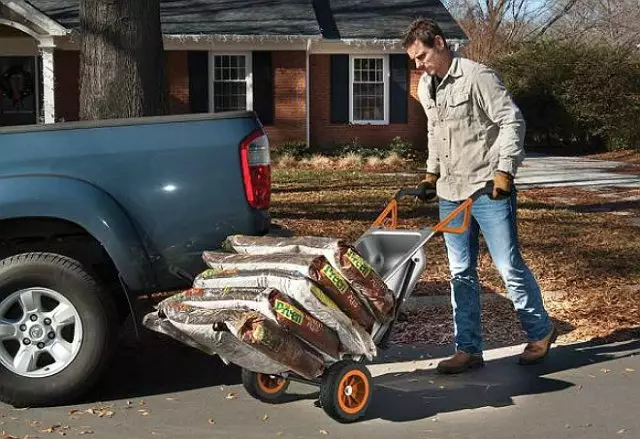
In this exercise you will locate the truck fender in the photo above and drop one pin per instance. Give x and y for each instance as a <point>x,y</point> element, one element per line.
<point>87,206</point>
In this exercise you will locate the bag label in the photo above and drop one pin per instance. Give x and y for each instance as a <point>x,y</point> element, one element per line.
<point>358,261</point>
<point>336,279</point>
<point>289,312</point>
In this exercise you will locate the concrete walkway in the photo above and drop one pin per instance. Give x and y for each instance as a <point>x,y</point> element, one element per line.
<point>551,171</point>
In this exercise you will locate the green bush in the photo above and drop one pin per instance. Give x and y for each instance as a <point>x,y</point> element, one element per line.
<point>576,97</point>
<point>294,149</point>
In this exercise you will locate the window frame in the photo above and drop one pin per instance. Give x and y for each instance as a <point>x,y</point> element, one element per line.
<point>386,78</point>
<point>248,77</point>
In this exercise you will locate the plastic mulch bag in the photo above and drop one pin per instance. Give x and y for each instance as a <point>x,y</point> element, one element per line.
<point>214,341</point>
<point>351,265</point>
<point>239,335</point>
<point>353,338</point>
<point>316,268</point>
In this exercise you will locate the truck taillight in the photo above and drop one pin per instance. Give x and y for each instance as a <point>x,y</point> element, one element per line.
<point>256,169</point>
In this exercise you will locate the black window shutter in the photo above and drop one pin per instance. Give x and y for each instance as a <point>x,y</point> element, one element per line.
<point>199,81</point>
<point>339,88</point>
<point>399,92</point>
<point>263,100</point>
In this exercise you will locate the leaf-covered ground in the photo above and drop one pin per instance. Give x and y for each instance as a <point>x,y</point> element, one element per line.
<point>582,245</point>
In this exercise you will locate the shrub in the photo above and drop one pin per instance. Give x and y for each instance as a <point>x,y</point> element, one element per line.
<point>293,149</point>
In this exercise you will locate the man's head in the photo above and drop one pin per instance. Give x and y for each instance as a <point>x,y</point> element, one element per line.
<point>426,45</point>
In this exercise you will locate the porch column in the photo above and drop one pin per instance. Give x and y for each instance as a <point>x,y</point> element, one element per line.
<point>48,84</point>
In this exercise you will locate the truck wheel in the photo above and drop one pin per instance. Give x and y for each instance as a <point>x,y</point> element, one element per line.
<point>56,329</point>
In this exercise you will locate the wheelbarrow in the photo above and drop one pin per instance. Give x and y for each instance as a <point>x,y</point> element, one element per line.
<point>398,256</point>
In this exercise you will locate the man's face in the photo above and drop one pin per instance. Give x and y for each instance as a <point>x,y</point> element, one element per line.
<point>428,59</point>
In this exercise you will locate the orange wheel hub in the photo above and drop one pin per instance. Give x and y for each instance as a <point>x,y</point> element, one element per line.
<point>270,384</point>
<point>353,392</point>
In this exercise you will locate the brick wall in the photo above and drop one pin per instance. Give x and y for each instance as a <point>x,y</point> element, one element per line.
<point>323,132</point>
<point>177,74</point>
<point>289,69</point>
<point>67,84</point>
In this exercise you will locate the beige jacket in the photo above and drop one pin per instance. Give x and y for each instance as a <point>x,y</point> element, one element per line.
<point>474,128</point>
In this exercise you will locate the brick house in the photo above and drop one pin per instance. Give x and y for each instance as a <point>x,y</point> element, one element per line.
<point>318,71</point>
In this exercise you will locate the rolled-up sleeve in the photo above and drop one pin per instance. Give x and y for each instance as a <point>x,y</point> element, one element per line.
<point>498,105</point>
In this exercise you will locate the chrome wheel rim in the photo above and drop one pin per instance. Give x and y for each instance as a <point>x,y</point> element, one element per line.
<point>40,332</point>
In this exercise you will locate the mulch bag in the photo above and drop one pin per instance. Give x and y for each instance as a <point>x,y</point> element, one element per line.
<point>274,305</point>
<point>351,265</point>
<point>316,268</point>
<point>199,318</point>
<point>205,337</point>
<point>291,316</point>
<point>353,338</point>
<point>267,337</point>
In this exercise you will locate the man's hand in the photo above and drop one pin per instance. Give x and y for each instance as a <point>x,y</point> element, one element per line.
<point>427,188</point>
<point>502,182</point>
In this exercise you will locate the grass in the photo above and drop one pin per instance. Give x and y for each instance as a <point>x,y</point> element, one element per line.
<point>583,251</point>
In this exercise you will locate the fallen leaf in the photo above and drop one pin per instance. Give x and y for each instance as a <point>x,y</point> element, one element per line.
<point>397,374</point>
<point>231,396</point>
<point>580,387</point>
<point>628,369</point>
<point>324,432</point>
<point>90,411</point>
<point>212,422</point>
<point>142,403</point>
<point>172,399</point>
<point>83,432</point>
<point>567,426</point>
<point>264,418</point>
<point>50,429</point>
<point>441,387</point>
<point>435,419</point>
<point>74,411</point>
<point>621,431</point>
<point>431,382</point>
<point>605,370</point>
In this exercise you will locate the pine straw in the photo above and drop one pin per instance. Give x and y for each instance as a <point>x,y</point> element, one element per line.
<point>581,245</point>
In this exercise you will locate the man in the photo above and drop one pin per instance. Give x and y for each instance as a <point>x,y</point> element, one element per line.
<point>475,138</point>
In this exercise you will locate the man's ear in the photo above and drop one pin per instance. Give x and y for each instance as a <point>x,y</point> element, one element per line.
<point>439,43</point>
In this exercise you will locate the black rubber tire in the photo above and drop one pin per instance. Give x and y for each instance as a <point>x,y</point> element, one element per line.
<point>250,383</point>
<point>97,313</point>
<point>329,391</point>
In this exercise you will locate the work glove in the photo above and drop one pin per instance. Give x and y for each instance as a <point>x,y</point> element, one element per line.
<point>427,188</point>
<point>502,182</point>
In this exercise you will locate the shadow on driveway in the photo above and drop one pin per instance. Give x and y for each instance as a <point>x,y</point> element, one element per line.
<point>424,393</point>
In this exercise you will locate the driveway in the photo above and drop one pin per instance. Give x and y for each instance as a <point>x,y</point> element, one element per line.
<point>166,390</point>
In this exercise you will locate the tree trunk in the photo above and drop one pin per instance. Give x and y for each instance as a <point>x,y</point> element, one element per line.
<point>121,59</point>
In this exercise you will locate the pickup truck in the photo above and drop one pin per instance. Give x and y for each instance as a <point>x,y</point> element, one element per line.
<point>93,214</point>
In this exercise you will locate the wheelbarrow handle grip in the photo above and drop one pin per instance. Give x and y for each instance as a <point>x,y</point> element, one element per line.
<point>413,192</point>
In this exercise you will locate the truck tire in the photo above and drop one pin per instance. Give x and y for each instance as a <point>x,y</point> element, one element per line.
<point>57,330</point>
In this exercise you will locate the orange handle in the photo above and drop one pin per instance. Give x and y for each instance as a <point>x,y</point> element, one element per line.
<point>442,226</point>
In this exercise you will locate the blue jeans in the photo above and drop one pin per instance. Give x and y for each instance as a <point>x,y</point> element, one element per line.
<point>496,219</point>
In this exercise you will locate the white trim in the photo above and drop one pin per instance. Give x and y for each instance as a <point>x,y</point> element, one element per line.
<point>248,78</point>
<point>240,43</point>
<point>48,84</point>
<point>37,74</point>
<point>24,9</point>
<point>20,27</point>
<point>385,77</point>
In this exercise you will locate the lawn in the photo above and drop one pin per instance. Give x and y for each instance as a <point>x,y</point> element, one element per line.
<point>583,248</point>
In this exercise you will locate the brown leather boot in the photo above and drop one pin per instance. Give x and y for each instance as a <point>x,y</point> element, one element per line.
<point>460,362</point>
<point>536,351</point>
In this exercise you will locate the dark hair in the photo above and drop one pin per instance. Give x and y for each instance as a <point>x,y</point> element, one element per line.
<point>423,30</point>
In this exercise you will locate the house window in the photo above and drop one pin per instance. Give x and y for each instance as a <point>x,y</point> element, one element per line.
<point>369,89</point>
<point>231,78</point>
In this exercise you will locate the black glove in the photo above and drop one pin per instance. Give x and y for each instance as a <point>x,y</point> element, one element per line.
<point>427,188</point>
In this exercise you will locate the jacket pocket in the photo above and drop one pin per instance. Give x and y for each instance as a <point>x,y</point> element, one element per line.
<point>459,104</point>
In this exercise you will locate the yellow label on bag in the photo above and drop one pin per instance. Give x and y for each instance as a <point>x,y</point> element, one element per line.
<point>289,312</point>
<point>336,279</point>
<point>323,298</point>
<point>359,262</point>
